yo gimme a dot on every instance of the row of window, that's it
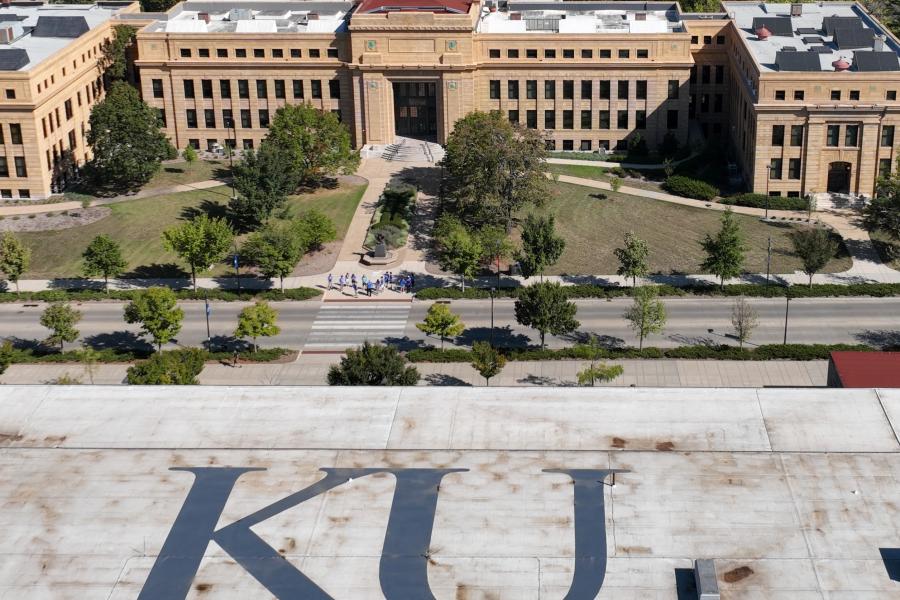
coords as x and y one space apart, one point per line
851 135
262 88
514 53
775 168
91 92
21 168
5 193
706 72
716 106
623 88
708 39
836 95
209 118
260 53
91 53
587 119
15 134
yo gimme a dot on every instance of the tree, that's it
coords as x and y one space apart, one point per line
157 5
487 360
89 358
744 319
103 256
493 169
615 182
317 143
113 55
647 313
314 229
373 364
200 242
125 139
495 246
440 321
14 257
60 319
815 247
189 154
256 321
173 367
633 258
541 247
459 252
544 306
596 372
6 355
883 211
725 251
157 312
263 180
274 250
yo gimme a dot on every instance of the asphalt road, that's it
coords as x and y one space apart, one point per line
690 320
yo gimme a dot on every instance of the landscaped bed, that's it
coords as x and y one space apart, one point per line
390 223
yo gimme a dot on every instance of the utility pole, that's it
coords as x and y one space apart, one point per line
768 177
208 334
787 307
768 261
492 317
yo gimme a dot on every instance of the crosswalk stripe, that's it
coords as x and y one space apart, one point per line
339 326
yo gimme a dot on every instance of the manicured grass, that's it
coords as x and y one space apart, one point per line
593 228
600 174
887 248
138 225
176 173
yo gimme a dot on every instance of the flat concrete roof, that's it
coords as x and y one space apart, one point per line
793 492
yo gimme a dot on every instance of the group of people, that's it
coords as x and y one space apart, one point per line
374 284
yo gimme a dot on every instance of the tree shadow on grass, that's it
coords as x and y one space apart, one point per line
119 340
158 271
442 379
211 208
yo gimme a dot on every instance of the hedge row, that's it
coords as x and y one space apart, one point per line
722 352
690 188
81 295
759 201
121 355
819 290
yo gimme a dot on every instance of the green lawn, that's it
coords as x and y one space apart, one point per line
176 173
600 174
593 228
138 225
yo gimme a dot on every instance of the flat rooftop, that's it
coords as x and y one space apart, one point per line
821 34
41 30
261 16
549 17
792 492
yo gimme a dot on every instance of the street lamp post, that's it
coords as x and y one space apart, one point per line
237 267
492 317
768 261
231 161
208 333
768 177
787 307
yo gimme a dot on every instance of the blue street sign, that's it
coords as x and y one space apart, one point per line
208 309
235 261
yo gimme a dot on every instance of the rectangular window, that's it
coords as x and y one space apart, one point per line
161 117
221 52
567 53
624 53
24 194
604 90
796 135
188 88
531 53
568 144
240 53
21 170
531 89
720 40
775 168
640 89
695 39
68 108
778 135
224 88
568 119
157 88
884 167
794 168
549 119
623 90
331 52
693 74
603 119
887 136
298 88
640 119
206 88
315 88
643 53
890 95
605 53
674 86
15 132
72 142
245 118
568 90
531 119
707 39
586 119
717 107
4 167
833 135
586 53
243 88
705 74
622 119
262 88
209 118
585 146
672 119
191 116
549 53
494 89
720 74
549 90
185 53
279 88
259 53
851 135
512 89
494 53
228 118
334 89
295 53
586 90
513 116
854 94
263 118
799 94
835 94
247 144
512 53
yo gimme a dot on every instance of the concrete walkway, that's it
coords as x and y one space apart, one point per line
612 165
312 370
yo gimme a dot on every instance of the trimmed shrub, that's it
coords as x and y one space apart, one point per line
172 367
759 201
690 188
81 295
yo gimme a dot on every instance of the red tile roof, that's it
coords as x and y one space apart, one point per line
866 369
436 6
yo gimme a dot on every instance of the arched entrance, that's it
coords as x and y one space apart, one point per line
839 177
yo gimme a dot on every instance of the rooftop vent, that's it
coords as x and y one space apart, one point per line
60 27
797 9
841 65
13 59
797 61
204 16
762 33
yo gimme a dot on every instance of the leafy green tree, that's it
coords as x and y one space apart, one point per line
156 310
725 251
113 55
189 154
60 319
257 320
157 5
6 356
103 256
544 306
263 181
459 252
125 139
315 229
883 211
14 257
815 246
615 183
487 360
442 322
274 250
317 143
541 247
596 371
647 313
496 246
173 367
633 258
493 169
744 319
373 364
200 242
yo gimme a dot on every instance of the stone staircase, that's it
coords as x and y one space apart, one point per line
410 150
829 202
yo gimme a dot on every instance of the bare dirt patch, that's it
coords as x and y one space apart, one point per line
54 221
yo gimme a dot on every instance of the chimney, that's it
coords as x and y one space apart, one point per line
841 64
880 44
515 16
796 9
6 35
762 33
204 16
